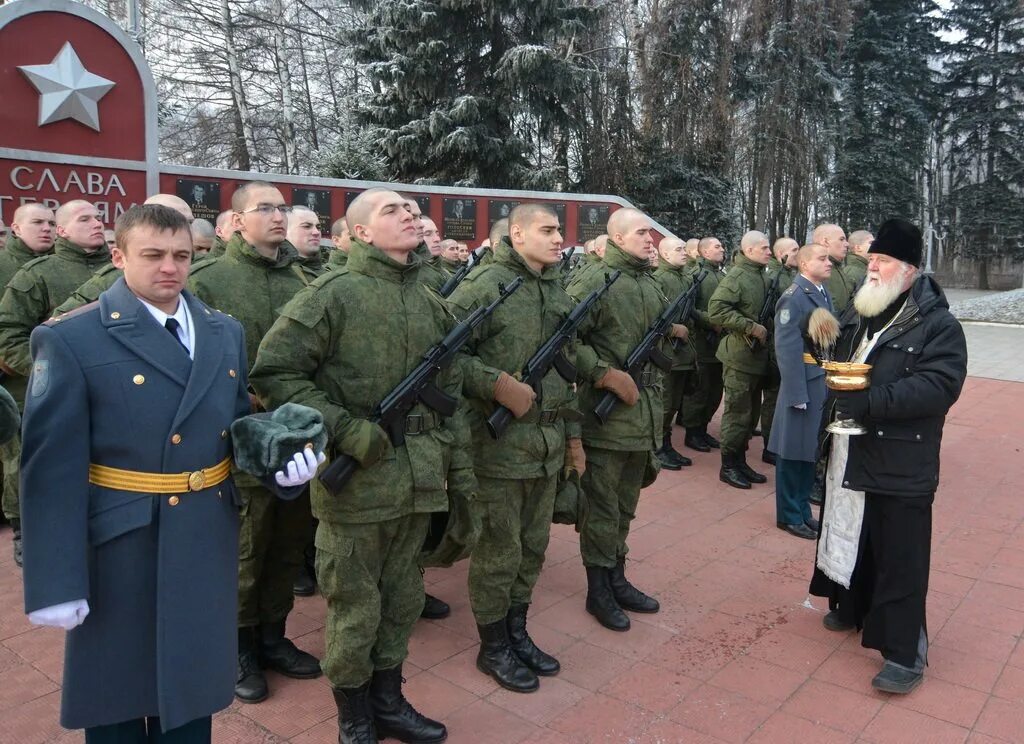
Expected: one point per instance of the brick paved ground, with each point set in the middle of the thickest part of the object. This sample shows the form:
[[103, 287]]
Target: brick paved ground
[[736, 655]]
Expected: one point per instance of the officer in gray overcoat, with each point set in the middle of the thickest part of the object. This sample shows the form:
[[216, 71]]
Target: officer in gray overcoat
[[798, 410], [130, 517]]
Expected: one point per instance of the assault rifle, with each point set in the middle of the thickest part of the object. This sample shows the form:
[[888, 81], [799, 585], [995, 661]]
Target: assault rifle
[[691, 300], [563, 265], [766, 317], [647, 350], [550, 355], [418, 386], [453, 281]]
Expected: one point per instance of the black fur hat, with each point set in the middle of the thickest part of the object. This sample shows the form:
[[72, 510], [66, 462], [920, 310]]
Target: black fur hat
[[899, 239]]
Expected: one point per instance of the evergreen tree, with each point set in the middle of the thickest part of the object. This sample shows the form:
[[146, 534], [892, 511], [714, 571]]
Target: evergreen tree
[[985, 130], [890, 99], [473, 92]]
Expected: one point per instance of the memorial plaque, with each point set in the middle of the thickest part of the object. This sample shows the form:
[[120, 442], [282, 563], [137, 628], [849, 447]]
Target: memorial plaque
[[202, 196], [318, 200], [460, 218], [350, 196], [591, 221], [499, 209]]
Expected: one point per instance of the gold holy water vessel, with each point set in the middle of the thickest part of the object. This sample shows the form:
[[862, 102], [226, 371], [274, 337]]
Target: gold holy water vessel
[[846, 376]]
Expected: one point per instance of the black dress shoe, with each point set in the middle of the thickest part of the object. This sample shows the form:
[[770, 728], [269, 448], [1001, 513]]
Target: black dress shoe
[[897, 680], [813, 523], [799, 530], [434, 608], [834, 622], [695, 441], [734, 477], [278, 653], [768, 457], [750, 474]]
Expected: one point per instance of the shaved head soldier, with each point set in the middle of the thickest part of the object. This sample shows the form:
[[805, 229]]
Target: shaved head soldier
[[856, 264], [340, 346], [224, 229], [33, 293], [203, 234], [735, 307], [699, 408], [618, 452], [176, 203], [517, 493], [304, 235], [273, 532], [674, 279], [341, 236], [840, 287]]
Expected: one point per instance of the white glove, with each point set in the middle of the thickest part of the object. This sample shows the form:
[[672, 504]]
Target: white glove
[[801, 406], [67, 615], [300, 469]]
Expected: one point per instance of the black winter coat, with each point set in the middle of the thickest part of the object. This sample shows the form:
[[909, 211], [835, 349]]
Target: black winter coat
[[919, 366]]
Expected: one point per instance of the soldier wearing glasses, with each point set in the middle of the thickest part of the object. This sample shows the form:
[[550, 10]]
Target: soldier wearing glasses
[[257, 275]]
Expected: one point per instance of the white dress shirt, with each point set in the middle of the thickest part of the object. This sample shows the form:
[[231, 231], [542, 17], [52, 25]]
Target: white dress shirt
[[186, 331]]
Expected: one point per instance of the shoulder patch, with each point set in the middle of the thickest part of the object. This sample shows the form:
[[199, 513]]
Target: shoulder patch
[[40, 377], [784, 316]]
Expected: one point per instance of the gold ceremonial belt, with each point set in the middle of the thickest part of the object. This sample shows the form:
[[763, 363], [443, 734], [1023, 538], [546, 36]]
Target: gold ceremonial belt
[[132, 480], [809, 359]]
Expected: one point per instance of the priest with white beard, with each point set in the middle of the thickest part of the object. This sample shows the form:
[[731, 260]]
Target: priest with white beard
[[875, 541]]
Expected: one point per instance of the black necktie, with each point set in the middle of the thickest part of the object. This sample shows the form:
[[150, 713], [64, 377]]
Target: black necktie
[[172, 327]]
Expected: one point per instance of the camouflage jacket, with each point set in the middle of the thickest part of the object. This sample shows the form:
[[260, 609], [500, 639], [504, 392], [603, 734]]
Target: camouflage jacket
[[705, 338], [15, 255], [674, 280], [734, 306], [589, 263], [218, 248], [431, 271], [35, 291], [614, 327], [338, 260], [856, 268], [504, 343], [248, 286], [840, 287], [787, 277], [97, 284], [340, 346]]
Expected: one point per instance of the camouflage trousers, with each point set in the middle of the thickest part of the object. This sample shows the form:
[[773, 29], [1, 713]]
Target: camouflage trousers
[[10, 455], [506, 562], [699, 408], [370, 577], [271, 542], [678, 385], [743, 391], [764, 407], [611, 490]]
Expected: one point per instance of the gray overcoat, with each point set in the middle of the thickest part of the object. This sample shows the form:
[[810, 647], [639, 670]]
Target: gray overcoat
[[795, 432], [110, 386]]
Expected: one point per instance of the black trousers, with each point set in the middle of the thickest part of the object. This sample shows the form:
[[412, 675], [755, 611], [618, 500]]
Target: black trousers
[[890, 581], [147, 731]]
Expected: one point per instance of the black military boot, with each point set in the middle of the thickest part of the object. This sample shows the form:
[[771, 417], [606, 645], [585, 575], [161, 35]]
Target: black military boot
[[752, 475], [672, 453], [709, 440], [16, 540], [731, 472], [666, 460], [394, 716], [695, 440], [627, 596], [497, 659], [434, 608], [280, 654], [251, 685], [355, 721], [601, 602], [304, 584], [523, 646]]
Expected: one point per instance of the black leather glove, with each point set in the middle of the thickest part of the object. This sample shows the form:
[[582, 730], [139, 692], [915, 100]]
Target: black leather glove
[[852, 404]]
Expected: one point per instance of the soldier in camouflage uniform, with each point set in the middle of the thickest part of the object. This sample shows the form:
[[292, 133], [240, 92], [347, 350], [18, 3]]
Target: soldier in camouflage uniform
[[783, 260], [223, 231], [699, 408], [592, 261], [619, 452], [734, 307], [856, 264], [673, 279], [342, 239], [257, 275], [432, 272], [340, 346], [450, 259], [840, 286], [31, 235], [517, 473], [105, 277], [304, 235], [32, 294], [692, 249], [498, 231]]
